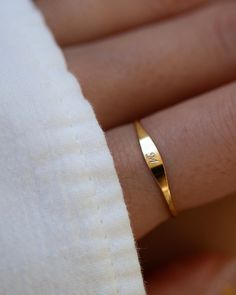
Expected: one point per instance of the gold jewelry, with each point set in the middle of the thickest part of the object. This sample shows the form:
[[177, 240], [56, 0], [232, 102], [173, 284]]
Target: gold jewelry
[[155, 163]]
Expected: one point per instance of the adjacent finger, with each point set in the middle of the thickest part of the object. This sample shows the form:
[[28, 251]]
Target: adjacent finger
[[197, 140], [75, 21], [204, 274], [140, 72]]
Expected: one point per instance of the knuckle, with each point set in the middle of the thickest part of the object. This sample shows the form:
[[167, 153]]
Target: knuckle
[[224, 24]]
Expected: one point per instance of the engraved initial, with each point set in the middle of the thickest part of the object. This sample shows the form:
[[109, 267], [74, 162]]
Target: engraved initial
[[151, 157]]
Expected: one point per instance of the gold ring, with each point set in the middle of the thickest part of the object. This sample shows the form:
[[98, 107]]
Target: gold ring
[[155, 163]]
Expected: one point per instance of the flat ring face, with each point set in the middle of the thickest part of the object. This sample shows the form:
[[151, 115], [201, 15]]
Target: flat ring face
[[155, 163]]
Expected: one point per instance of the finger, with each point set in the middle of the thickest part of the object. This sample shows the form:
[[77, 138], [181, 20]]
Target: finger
[[151, 68], [205, 274], [76, 21], [197, 140]]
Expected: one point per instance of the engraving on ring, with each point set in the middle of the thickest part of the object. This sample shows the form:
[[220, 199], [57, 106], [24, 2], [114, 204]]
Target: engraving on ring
[[151, 157]]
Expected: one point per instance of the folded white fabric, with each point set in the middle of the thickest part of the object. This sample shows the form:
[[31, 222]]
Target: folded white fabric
[[64, 227]]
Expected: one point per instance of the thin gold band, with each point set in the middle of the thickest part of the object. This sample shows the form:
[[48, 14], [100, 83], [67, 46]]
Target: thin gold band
[[155, 163]]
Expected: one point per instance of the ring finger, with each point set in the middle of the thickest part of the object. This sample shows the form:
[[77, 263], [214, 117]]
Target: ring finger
[[197, 140]]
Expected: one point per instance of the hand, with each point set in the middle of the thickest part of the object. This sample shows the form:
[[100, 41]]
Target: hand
[[145, 66]]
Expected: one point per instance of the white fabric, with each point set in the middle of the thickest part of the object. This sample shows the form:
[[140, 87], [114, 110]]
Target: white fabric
[[64, 228]]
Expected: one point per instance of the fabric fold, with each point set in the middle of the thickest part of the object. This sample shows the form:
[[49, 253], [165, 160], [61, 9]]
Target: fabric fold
[[64, 227]]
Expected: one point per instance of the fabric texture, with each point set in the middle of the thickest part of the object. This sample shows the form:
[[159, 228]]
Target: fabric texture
[[64, 227]]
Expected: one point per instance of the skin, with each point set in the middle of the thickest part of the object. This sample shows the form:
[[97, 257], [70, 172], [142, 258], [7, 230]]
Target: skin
[[127, 61], [142, 59], [205, 274], [195, 129]]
